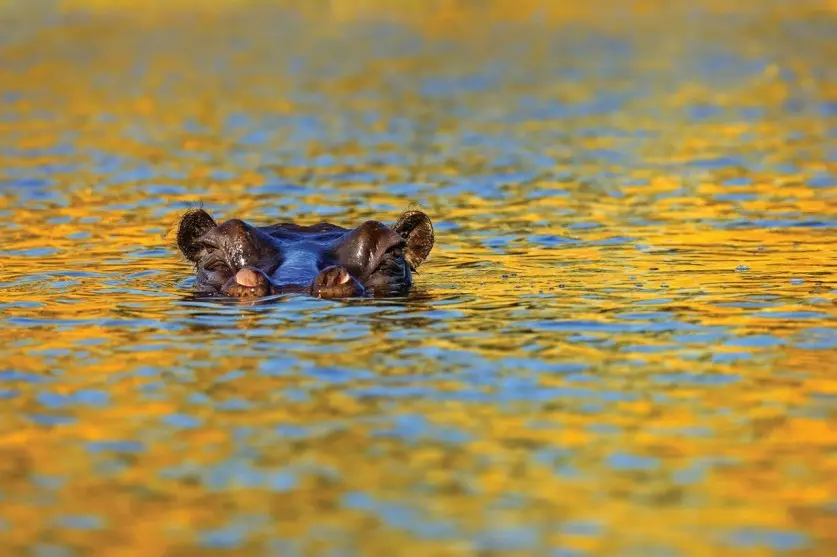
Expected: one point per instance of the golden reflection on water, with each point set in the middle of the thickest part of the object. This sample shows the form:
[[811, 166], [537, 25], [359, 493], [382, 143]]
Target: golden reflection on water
[[623, 342]]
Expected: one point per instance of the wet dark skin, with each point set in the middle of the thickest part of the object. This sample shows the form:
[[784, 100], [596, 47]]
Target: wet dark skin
[[324, 260]]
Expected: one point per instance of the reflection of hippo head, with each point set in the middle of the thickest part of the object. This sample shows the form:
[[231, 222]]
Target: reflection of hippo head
[[324, 260]]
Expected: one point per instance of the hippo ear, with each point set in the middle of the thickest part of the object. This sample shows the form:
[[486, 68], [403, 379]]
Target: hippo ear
[[416, 228], [193, 225]]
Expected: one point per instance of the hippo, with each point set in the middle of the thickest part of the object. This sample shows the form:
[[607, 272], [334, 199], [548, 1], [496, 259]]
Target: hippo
[[323, 260]]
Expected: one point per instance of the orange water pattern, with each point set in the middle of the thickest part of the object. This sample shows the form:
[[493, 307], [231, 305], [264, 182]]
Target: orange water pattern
[[623, 342]]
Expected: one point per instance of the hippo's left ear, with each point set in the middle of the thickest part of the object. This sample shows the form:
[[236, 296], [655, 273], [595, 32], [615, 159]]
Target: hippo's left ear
[[193, 225], [416, 228]]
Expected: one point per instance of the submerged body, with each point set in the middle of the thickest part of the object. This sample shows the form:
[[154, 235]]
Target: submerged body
[[324, 260]]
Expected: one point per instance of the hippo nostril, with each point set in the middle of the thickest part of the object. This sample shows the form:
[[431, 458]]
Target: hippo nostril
[[247, 277]]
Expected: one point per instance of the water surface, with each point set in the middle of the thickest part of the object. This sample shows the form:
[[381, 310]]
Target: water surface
[[623, 342]]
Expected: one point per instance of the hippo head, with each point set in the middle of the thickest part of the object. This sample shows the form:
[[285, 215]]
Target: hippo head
[[237, 259]]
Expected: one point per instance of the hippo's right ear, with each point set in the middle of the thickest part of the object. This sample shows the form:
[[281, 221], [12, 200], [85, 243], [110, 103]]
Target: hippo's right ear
[[416, 228], [193, 225]]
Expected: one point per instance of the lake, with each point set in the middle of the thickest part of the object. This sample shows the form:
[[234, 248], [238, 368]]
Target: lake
[[623, 343]]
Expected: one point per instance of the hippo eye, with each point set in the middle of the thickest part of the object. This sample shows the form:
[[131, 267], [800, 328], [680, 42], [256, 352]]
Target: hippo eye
[[216, 265], [396, 250], [392, 261], [208, 244]]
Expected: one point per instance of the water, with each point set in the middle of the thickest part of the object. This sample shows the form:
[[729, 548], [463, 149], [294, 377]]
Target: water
[[623, 342]]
